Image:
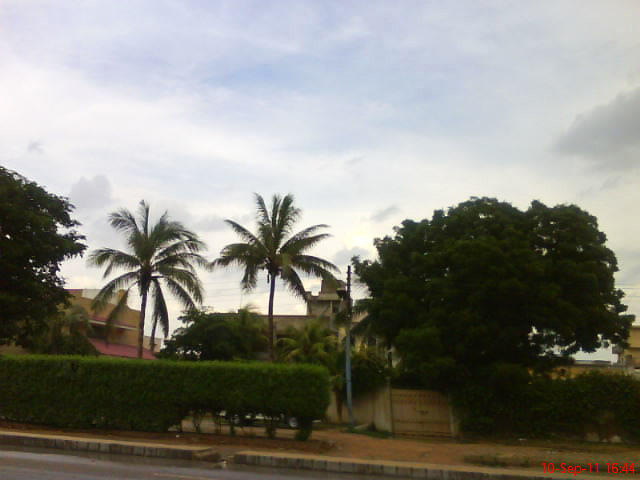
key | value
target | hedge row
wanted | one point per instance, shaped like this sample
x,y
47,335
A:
x,y
601,403
83,392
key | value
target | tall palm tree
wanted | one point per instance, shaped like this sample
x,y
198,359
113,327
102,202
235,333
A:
x,y
162,253
277,251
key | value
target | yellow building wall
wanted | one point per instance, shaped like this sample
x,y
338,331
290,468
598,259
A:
x,y
630,357
128,320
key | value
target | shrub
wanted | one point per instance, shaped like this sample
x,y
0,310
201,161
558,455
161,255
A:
x,y
128,394
607,404
369,370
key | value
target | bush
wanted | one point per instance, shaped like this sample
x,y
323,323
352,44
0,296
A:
x,y
505,402
369,371
128,394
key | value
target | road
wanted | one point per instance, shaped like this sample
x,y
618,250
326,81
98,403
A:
x,y
39,464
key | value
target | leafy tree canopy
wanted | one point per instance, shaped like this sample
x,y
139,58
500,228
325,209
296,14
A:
x,y
484,284
217,336
37,233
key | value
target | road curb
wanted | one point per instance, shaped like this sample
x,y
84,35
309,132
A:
x,y
110,447
389,469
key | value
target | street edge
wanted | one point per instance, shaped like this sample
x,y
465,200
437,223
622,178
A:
x,y
110,447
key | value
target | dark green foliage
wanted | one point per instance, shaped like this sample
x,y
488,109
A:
x,y
304,431
485,286
369,371
37,233
606,404
82,392
500,398
314,343
317,345
216,336
66,334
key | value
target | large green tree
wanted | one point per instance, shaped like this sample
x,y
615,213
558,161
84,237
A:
x,y
164,252
217,336
484,287
277,251
37,233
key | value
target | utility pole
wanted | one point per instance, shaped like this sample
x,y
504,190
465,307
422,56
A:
x,y
347,362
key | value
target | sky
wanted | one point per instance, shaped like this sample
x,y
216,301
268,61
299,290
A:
x,y
368,112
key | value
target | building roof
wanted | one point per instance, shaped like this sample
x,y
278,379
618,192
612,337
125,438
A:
x,y
115,350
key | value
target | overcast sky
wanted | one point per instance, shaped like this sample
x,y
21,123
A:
x,y
369,112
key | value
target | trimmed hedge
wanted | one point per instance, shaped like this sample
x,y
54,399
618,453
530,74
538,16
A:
x,y
603,403
83,392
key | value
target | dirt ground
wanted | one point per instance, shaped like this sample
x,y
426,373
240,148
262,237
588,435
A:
x,y
328,440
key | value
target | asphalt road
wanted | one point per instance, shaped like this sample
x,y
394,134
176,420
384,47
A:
x,y
38,464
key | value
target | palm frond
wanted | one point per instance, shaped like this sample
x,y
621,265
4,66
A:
x,y
250,277
106,293
287,216
185,260
293,282
315,266
143,215
180,292
187,279
245,234
124,221
240,254
116,259
300,243
181,251
184,242
116,312
262,211
160,312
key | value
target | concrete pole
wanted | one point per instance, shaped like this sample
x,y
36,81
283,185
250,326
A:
x,y
347,363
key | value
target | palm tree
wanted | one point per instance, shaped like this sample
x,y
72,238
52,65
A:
x,y
163,253
277,251
313,343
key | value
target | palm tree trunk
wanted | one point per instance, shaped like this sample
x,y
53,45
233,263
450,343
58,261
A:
x,y
153,335
143,308
272,291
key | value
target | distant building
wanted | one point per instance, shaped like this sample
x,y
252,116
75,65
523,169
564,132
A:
x,y
122,339
327,303
629,357
322,307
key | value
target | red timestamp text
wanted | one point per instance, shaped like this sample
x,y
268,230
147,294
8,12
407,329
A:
x,y
589,468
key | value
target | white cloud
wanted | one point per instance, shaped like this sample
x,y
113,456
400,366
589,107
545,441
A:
x,y
384,214
91,193
608,134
